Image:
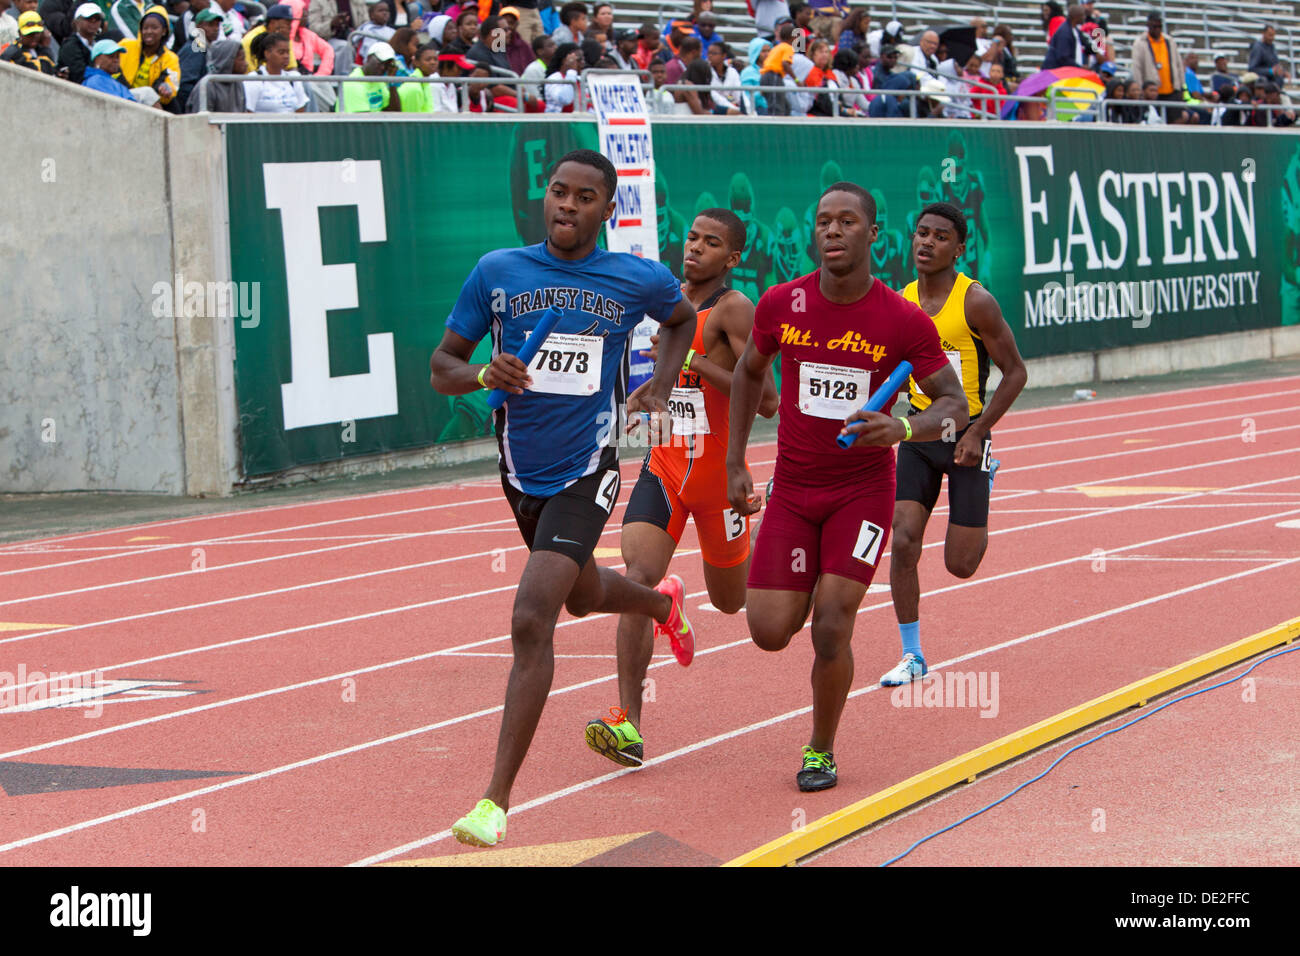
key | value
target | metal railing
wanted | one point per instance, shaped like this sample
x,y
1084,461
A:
x,y
462,84
1095,110
837,92
1198,106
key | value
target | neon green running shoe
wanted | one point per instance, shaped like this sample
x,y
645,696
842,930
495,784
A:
x,y
818,772
615,737
485,825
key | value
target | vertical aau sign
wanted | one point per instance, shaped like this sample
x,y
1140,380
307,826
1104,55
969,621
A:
x,y
624,126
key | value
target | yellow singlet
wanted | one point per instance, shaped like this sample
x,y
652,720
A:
x,y
963,346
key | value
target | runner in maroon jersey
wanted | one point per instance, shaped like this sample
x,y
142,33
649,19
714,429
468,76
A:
x,y
839,333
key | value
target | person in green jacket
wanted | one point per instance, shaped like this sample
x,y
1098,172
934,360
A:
x,y
372,97
421,97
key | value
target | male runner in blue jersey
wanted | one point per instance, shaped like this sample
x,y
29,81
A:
x,y
558,430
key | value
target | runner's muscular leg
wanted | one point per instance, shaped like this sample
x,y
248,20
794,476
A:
x,y
908,534
647,549
607,591
774,617
546,578
963,549
834,614
727,591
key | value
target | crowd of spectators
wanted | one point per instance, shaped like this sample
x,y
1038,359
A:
x,y
792,58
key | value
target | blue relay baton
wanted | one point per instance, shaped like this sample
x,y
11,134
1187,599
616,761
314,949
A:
x,y
880,398
545,326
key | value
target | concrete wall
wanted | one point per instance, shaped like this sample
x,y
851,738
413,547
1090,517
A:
x,y
92,368
1164,357
205,344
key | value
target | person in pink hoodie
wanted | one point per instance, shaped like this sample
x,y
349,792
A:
x,y
312,53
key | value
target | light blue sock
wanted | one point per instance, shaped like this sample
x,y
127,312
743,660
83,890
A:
x,y
911,634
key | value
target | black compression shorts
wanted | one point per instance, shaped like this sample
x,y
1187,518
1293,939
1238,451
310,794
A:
x,y
921,467
569,522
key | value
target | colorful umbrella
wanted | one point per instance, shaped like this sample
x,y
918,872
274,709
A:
x,y
1073,91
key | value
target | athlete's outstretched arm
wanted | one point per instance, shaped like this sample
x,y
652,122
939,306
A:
x,y
985,317
947,413
451,374
746,389
734,315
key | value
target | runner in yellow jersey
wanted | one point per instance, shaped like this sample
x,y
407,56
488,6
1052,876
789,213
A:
x,y
971,331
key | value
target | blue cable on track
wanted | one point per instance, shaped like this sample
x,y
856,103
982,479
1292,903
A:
x,y
1113,730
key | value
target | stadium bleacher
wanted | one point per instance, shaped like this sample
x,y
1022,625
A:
x,y
1203,28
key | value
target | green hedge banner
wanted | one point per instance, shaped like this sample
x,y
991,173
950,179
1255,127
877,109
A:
x,y
361,233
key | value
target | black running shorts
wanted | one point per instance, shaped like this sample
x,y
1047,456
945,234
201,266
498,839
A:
x,y
570,522
921,467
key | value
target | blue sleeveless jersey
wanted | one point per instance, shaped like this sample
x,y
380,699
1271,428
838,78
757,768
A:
x,y
548,441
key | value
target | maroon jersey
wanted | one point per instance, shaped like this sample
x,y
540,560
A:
x,y
832,357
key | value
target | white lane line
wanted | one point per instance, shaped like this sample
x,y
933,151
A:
x,y
1014,416
627,464
974,582
1200,464
933,544
1164,427
295,587
237,538
1145,410
1204,560
258,594
291,555
1148,449
790,715
310,761
323,523
603,657
680,553
321,502
244,537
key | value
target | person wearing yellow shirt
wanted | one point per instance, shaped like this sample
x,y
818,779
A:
x,y
972,332
147,62
279,19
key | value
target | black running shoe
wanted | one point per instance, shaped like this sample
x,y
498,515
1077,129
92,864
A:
x,y
818,771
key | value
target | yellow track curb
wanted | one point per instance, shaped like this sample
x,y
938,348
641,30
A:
x,y
824,831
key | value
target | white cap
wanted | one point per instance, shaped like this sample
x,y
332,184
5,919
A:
x,y
383,52
935,89
894,27
88,10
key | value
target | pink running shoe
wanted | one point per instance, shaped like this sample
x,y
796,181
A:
x,y
677,629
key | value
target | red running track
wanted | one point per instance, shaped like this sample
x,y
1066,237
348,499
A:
x,y
330,674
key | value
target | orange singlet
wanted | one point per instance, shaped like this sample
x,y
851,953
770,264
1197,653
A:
x,y
689,476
